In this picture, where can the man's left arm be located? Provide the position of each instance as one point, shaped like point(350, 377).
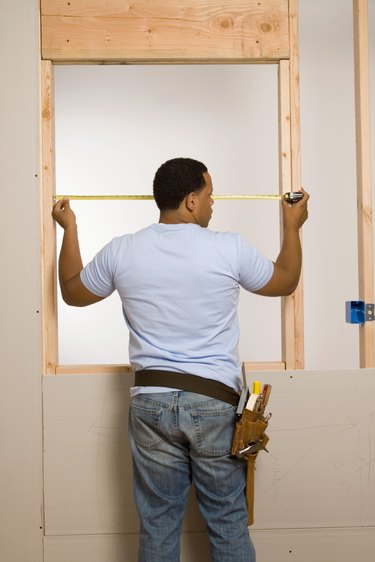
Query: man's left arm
point(73, 290)
point(287, 267)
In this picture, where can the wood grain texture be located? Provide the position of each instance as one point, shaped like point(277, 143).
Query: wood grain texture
point(363, 161)
point(293, 305)
point(200, 31)
point(288, 351)
point(48, 239)
point(197, 32)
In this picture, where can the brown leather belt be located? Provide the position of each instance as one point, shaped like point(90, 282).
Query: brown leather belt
point(189, 383)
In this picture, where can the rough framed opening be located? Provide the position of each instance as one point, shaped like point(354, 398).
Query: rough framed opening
point(209, 33)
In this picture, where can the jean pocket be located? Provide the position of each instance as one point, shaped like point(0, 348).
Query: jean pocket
point(145, 424)
point(214, 430)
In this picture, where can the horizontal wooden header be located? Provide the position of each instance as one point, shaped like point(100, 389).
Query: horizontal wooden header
point(163, 31)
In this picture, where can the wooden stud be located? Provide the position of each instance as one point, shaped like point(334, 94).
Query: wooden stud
point(265, 366)
point(284, 127)
point(162, 31)
point(288, 351)
point(293, 305)
point(94, 370)
point(292, 330)
point(128, 370)
point(49, 276)
point(364, 191)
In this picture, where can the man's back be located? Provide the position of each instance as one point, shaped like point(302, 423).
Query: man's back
point(179, 286)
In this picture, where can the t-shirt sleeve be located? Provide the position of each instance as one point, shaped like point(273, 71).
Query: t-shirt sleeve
point(98, 275)
point(255, 270)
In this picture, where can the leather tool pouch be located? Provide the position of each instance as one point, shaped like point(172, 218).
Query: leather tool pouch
point(249, 438)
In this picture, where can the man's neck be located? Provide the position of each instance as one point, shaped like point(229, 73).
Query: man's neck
point(176, 217)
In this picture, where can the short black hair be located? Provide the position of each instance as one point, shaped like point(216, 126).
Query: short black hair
point(175, 179)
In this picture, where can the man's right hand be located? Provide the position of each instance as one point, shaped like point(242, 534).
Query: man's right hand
point(63, 214)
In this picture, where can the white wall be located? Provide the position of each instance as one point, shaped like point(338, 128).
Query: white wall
point(328, 171)
point(115, 125)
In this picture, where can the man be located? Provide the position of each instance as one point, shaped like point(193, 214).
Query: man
point(179, 285)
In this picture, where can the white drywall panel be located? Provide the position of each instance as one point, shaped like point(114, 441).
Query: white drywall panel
point(315, 545)
point(20, 341)
point(318, 473)
point(288, 545)
point(117, 548)
point(319, 470)
point(87, 460)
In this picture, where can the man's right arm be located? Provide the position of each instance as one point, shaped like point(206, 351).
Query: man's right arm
point(73, 291)
point(287, 267)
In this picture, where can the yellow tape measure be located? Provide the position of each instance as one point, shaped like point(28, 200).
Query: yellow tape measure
point(151, 197)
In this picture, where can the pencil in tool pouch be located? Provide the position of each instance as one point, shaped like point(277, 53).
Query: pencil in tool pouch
point(250, 438)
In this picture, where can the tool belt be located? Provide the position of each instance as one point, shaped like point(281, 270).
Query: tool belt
point(187, 382)
point(250, 438)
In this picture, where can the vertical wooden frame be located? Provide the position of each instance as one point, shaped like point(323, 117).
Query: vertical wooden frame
point(288, 316)
point(363, 161)
point(273, 38)
point(292, 329)
point(293, 309)
point(49, 276)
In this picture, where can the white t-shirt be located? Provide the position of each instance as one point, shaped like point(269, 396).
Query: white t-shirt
point(179, 287)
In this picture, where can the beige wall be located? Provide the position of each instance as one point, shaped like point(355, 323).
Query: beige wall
point(20, 371)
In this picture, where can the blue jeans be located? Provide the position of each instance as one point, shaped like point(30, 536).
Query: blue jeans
point(178, 438)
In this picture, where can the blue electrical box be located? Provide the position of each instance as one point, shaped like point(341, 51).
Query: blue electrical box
point(355, 312)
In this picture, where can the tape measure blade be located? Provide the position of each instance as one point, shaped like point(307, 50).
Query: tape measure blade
point(151, 197)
